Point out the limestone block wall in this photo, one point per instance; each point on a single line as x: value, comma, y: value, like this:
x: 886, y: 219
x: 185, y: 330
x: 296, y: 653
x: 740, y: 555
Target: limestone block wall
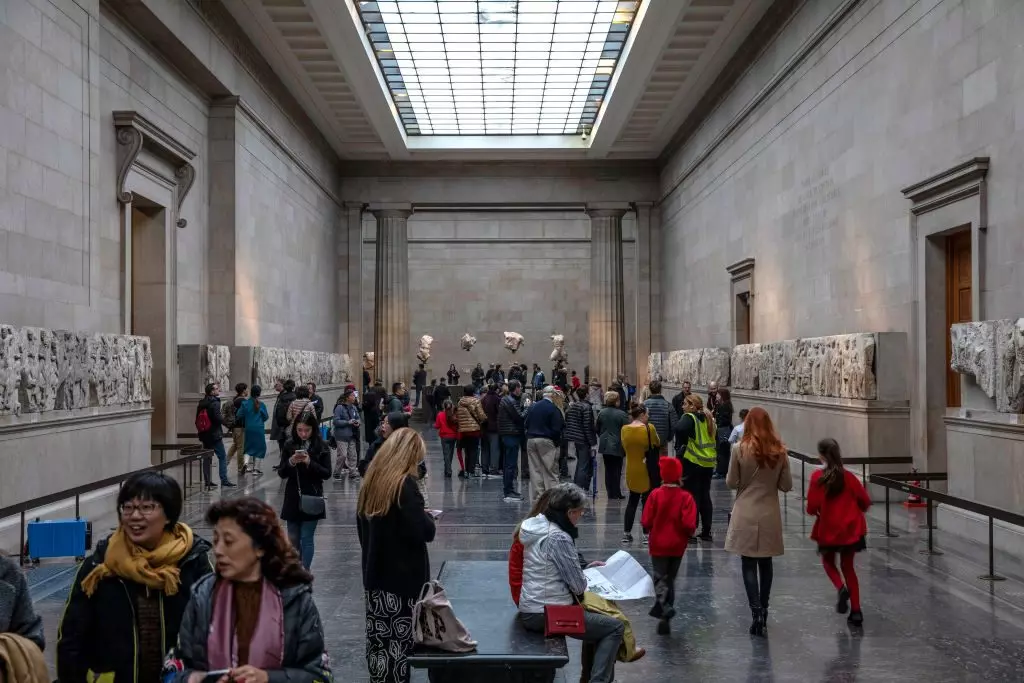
x: 486, y: 273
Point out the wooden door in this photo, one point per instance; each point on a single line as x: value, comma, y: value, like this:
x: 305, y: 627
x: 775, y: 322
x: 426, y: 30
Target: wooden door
x: 958, y: 301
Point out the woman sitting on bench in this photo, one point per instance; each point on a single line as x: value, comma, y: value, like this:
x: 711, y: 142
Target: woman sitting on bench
x: 551, y: 575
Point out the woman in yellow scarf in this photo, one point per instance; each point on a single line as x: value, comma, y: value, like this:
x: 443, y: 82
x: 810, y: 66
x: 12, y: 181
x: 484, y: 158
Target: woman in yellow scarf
x: 125, y: 606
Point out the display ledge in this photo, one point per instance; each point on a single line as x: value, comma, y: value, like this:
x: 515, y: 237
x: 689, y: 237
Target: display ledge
x: 827, y: 403
x: 58, y: 420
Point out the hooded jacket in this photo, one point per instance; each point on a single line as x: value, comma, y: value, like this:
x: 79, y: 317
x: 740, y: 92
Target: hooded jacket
x: 305, y: 657
x: 16, y: 613
x: 551, y: 566
x: 99, y: 634
x: 471, y: 415
x: 579, y: 423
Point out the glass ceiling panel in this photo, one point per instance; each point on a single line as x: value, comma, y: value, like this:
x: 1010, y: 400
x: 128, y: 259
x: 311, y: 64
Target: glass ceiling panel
x: 497, y: 67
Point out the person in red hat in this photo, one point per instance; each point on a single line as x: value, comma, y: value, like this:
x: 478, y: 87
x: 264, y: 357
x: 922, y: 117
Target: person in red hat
x: 669, y: 519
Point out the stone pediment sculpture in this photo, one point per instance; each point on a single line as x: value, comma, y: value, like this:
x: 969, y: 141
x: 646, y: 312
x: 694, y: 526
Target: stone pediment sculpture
x: 369, y: 362
x: 322, y: 368
x: 558, y: 353
x: 43, y: 370
x: 992, y: 352
x: 468, y: 341
x: 513, y: 341
x: 423, y: 354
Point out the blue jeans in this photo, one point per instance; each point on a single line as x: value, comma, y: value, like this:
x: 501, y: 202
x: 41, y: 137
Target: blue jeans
x: 511, y: 445
x: 301, y: 535
x: 222, y: 463
x: 492, y: 452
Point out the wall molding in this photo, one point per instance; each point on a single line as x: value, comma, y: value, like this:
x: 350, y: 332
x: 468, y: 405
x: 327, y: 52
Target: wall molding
x: 59, y: 420
x: 874, y: 408
x: 952, y: 185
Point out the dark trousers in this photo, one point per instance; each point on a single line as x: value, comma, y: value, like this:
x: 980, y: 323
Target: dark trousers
x: 758, y: 592
x: 665, y: 571
x: 723, y: 448
x: 471, y: 451
x: 524, y: 463
x: 613, y: 475
x: 584, y: 466
x: 697, y: 480
x: 510, y: 444
x: 448, y: 452
x: 634, y: 500
x: 563, y: 459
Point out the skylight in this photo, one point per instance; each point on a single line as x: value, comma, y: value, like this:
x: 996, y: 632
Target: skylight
x: 497, y: 67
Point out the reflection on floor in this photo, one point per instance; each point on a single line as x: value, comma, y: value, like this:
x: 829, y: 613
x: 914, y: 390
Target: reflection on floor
x: 926, y: 617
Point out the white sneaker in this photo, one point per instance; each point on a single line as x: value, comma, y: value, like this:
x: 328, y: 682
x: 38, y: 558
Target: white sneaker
x: 516, y: 498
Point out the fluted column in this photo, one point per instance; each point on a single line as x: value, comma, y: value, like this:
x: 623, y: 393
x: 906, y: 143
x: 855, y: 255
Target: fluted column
x: 607, y: 314
x: 391, y: 301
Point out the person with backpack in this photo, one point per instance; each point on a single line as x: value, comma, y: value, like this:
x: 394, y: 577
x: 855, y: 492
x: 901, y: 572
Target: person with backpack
x: 838, y: 501
x: 237, y: 427
x: 210, y: 427
x: 279, y: 427
x: 301, y: 405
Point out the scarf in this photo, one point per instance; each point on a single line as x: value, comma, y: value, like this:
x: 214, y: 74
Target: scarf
x: 156, y: 569
x: 22, y: 660
x: 561, y: 520
x: 266, y: 650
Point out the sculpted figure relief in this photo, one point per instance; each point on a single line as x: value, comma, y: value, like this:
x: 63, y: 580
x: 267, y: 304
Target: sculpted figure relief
x: 467, y: 342
x: 513, y: 340
x: 270, y: 364
x: 558, y: 352
x: 369, y: 363
x: 992, y: 352
x: 10, y: 370
x: 423, y: 354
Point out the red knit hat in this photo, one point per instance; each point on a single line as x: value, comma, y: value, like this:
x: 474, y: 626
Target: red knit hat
x: 671, y: 470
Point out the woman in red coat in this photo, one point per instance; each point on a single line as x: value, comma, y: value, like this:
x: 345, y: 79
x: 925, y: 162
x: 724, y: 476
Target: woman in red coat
x: 839, y: 501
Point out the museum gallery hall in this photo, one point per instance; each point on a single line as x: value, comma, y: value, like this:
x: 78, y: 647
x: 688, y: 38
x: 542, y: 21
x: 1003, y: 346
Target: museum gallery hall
x: 251, y: 249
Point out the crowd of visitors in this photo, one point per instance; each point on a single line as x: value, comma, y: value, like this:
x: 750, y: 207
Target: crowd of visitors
x: 155, y: 601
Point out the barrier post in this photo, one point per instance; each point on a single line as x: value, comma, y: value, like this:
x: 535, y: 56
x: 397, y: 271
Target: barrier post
x: 991, y: 576
x: 803, y: 479
x: 888, y: 533
x: 864, y: 474
x: 21, y: 545
x: 930, y: 550
x: 78, y: 513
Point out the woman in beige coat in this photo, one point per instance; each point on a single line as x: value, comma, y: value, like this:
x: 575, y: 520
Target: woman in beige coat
x: 758, y: 470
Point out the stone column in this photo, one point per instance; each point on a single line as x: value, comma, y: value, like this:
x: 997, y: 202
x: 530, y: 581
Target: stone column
x: 643, y: 310
x: 391, y: 301
x: 350, y: 288
x: 607, y: 315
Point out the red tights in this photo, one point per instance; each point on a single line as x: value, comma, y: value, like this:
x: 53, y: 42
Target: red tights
x: 846, y: 564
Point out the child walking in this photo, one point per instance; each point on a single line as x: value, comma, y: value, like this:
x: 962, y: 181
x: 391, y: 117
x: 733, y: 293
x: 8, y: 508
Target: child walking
x: 669, y: 519
x: 839, y: 501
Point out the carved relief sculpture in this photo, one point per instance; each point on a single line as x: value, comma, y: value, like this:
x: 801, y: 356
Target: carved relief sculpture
x: 558, y: 353
x: 10, y: 370
x: 467, y: 342
x: 992, y: 351
x: 654, y: 368
x: 270, y: 365
x: 423, y: 354
x: 369, y: 363
x: 215, y: 365
x: 743, y: 366
x: 513, y: 341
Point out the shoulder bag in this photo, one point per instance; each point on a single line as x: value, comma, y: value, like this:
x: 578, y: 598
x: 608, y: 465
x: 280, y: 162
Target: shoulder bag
x: 311, y: 506
x: 434, y: 623
x: 564, y: 620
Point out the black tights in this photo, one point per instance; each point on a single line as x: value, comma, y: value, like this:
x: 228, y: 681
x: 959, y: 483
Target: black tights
x: 757, y: 596
x: 634, y: 499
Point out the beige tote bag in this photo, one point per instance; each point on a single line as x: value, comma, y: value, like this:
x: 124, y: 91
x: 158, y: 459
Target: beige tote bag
x: 434, y: 623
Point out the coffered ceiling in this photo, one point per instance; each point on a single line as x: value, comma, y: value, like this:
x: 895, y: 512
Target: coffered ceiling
x: 671, y: 56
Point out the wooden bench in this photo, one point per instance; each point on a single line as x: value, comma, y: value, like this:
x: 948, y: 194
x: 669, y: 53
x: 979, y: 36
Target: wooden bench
x: 506, y: 652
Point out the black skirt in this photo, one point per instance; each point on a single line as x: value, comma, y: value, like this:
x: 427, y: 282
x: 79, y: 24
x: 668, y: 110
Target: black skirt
x: 850, y: 548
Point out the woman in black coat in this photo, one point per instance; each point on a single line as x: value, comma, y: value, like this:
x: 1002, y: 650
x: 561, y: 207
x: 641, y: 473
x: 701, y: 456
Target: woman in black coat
x: 723, y: 419
x: 305, y: 465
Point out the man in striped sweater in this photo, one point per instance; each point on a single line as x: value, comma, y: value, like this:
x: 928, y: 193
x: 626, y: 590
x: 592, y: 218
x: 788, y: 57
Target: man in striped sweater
x: 661, y: 415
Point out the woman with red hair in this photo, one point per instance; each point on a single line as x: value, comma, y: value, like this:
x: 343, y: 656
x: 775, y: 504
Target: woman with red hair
x: 758, y: 470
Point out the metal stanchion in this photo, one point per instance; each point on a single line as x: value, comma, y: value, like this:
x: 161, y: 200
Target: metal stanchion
x: 803, y: 479
x: 21, y: 545
x: 888, y: 533
x: 930, y: 550
x: 991, y: 576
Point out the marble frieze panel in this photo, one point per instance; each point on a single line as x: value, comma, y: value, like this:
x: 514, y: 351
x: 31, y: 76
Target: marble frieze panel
x: 271, y: 364
x: 992, y: 352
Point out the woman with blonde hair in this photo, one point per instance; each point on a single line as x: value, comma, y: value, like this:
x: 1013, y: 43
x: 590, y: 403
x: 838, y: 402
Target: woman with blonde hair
x: 394, y: 530
x: 758, y: 470
x: 695, y: 446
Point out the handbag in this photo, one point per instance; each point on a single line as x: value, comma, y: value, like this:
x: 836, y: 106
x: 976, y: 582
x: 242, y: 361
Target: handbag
x: 564, y: 620
x: 434, y: 623
x: 311, y: 506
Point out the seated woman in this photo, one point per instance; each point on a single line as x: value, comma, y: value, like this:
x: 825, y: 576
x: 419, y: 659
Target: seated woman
x: 128, y: 598
x: 552, y: 576
x: 254, y: 621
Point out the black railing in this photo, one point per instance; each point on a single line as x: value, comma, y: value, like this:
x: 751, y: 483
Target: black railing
x: 77, y: 492
x: 862, y: 461
x: 900, y: 483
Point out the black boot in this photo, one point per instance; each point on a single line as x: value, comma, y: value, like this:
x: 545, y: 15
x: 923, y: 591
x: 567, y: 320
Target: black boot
x: 843, y: 603
x: 764, y: 621
x: 756, y: 627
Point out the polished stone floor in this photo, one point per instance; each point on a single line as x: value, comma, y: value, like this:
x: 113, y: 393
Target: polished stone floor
x: 926, y: 617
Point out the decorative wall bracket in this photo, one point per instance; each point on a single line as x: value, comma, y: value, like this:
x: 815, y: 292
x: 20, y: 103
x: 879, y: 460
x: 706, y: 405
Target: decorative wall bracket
x: 135, y: 133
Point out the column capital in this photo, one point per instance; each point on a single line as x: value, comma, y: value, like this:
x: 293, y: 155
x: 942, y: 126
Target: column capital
x: 607, y: 209
x: 350, y: 206
x: 391, y: 210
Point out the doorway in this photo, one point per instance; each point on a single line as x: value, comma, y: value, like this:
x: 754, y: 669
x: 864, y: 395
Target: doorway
x: 742, y: 308
x: 958, y: 302
x: 150, y: 304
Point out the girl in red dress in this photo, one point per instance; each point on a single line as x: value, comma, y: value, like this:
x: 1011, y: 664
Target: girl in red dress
x: 839, y: 501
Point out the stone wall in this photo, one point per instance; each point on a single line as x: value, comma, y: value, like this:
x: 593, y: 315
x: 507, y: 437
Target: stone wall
x: 992, y: 353
x: 43, y: 370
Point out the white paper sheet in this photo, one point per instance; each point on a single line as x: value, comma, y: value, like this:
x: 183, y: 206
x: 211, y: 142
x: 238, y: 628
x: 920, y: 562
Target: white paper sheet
x: 622, y: 578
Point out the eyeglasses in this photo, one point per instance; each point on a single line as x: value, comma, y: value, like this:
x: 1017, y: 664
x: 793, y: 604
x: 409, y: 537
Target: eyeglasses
x: 145, y: 509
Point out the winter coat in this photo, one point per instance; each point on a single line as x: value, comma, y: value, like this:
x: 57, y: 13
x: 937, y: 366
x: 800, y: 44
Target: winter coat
x: 551, y: 568
x: 298, y: 407
x: 441, y: 394
x: 280, y: 422
x: 453, y: 377
x: 661, y: 415
x: 318, y: 406
x: 511, y: 416
x: 255, y: 432
x: 305, y: 657
x: 394, y: 545
x: 635, y: 442
x: 669, y: 518
x: 515, y: 568
x: 394, y: 404
x: 579, y: 423
x: 755, y: 528
x: 610, y: 422
x: 840, y: 519
x: 211, y: 404
x: 98, y: 635
x: 344, y: 430
x: 544, y: 421
x: 444, y: 429
x: 471, y: 415
x: 16, y: 612
x: 490, y: 405
x: 311, y: 476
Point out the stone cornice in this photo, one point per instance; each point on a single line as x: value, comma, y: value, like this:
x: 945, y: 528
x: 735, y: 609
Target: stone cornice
x: 741, y: 269
x: 59, y: 420
x: 959, y: 182
x: 134, y: 133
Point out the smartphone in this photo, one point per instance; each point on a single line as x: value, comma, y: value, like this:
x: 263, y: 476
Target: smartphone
x: 214, y: 676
